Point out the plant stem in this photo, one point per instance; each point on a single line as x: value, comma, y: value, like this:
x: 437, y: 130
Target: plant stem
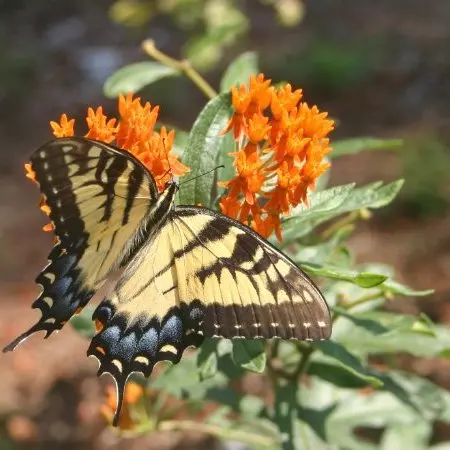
x: 184, y: 66
x: 275, y: 373
x: 306, y: 351
x: 214, y: 430
x: 362, y: 213
x: 361, y: 300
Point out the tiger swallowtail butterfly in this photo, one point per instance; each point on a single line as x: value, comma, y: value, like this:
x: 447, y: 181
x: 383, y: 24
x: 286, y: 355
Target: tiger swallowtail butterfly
x: 186, y: 272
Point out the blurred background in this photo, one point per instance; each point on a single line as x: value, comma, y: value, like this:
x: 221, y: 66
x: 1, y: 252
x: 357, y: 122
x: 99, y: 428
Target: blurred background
x: 380, y: 68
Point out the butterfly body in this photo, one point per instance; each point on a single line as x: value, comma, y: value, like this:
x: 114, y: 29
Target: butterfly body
x: 187, y: 272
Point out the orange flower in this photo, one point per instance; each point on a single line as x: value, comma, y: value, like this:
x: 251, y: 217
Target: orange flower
x: 64, y: 128
x: 99, y: 127
x: 133, y: 394
x: 281, y: 146
x: 248, y: 102
x: 134, y: 132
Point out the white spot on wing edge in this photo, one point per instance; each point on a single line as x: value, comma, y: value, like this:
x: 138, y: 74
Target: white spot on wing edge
x: 118, y: 364
x: 142, y: 360
x: 168, y: 348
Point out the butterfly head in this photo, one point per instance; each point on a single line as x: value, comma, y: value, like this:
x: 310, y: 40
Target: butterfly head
x: 172, y: 186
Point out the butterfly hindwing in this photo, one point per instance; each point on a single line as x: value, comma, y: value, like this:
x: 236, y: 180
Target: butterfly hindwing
x: 97, y: 198
x: 203, y: 275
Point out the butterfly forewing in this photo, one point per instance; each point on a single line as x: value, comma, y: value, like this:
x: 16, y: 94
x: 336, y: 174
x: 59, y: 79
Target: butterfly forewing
x: 98, y: 199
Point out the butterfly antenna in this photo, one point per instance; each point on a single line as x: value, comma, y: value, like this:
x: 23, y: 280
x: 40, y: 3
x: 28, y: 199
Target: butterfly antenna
x: 202, y: 174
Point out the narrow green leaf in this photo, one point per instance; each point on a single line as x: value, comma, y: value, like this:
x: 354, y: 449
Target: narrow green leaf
x: 249, y: 354
x: 427, y: 399
x: 323, y: 252
x: 239, y: 71
x: 360, y: 144
x: 395, y: 287
x: 134, y: 77
x: 368, y: 324
x: 362, y: 279
x: 374, y: 195
x: 334, y: 354
x: 83, y: 323
x: 202, y: 150
x: 409, y: 334
x: 333, y: 202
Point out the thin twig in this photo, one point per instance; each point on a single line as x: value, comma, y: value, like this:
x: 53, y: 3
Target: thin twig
x: 214, y: 430
x: 363, y: 299
x: 350, y: 218
x: 184, y: 66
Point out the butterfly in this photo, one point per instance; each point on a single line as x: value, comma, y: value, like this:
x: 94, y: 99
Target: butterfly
x: 186, y: 272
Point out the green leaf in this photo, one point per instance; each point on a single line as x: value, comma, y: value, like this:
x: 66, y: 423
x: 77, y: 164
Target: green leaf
x: 368, y: 324
x: 227, y: 172
x: 423, y: 396
x: 395, y: 287
x: 249, y: 354
x: 331, y: 203
x: 373, y: 195
x: 407, y: 436
x: 362, y: 279
x: 376, y: 410
x: 323, y: 252
x: 360, y: 144
x: 409, y: 334
x: 207, y: 359
x: 286, y: 415
x: 83, y: 323
x: 182, y: 380
x: 202, y: 150
x: 239, y: 71
x: 134, y: 77
x: 441, y: 446
x: 180, y: 142
x: 336, y: 364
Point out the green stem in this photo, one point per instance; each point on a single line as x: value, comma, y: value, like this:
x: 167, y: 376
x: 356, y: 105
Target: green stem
x: 307, y: 351
x: 214, y: 430
x: 277, y: 372
x: 363, y: 213
x: 184, y: 66
x: 360, y: 301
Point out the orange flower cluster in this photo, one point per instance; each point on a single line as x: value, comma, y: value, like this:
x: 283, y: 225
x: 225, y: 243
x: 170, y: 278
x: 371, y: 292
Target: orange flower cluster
x: 134, y: 132
x: 133, y: 394
x: 280, y: 148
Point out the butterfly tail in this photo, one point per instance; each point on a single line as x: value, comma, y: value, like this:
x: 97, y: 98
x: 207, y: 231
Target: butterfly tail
x: 39, y: 326
x: 120, y: 387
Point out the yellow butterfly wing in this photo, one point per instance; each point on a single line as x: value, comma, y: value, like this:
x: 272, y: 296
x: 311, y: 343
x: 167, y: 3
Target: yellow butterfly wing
x: 203, y: 274
x: 98, y: 198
